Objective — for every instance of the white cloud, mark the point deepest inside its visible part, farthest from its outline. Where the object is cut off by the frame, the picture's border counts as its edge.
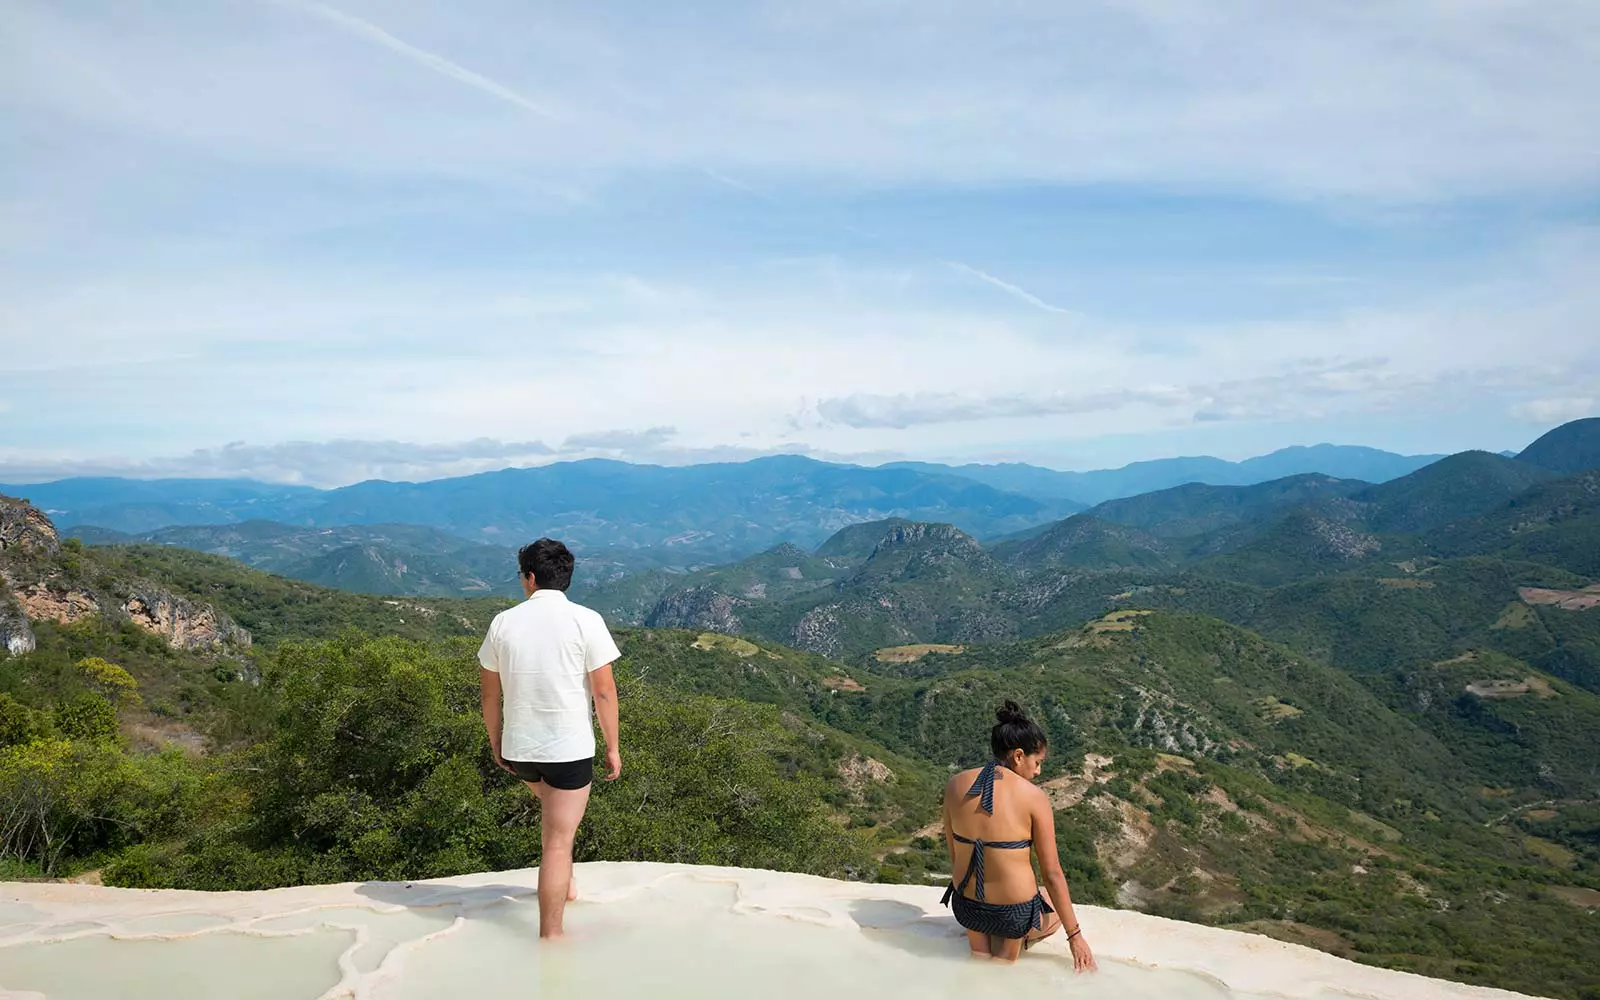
(310, 463)
(1555, 411)
(619, 440)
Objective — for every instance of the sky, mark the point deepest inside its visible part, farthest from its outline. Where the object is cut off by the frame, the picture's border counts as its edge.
(312, 243)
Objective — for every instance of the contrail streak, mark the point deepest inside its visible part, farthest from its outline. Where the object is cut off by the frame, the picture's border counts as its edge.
(1009, 288)
(439, 64)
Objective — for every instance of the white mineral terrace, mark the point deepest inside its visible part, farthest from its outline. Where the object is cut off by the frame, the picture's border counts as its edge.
(640, 930)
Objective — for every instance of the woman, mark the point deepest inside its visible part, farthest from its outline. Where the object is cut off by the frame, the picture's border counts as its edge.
(992, 815)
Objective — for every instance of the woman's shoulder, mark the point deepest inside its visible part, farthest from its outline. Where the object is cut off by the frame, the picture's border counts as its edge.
(967, 775)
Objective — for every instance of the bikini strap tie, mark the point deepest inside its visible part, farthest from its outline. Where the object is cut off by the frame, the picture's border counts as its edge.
(983, 787)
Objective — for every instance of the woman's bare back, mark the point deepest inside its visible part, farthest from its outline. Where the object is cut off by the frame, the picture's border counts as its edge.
(1008, 873)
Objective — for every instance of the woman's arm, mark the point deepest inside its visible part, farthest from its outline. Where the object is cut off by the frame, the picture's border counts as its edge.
(1055, 880)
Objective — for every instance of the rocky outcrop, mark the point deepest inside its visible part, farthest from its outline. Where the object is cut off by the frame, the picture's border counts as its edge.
(976, 625)
(945, 538)
(16, 633)
(858, 773)
(42, 602)
(1342, 541)
(183, 623)
(817, 631)
(40, 582)
(918, 550)
(25, 529)
(700, 608)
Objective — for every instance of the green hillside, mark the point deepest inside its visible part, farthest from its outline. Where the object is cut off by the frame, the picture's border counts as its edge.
(1556, 523)
(1571, 448)
(1199, 509)
(1086, 542)
(1450, 489)
(1305, 542)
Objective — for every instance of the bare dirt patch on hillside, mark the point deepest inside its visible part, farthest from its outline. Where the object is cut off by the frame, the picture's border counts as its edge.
(1577, 895)
(729, 643)
(1068, 790)
(915, 652)
(1503, 688)
(1566, 600)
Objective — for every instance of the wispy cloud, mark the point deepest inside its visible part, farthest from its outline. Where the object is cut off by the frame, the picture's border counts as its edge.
(620, 440)
(1555, 411)
(429, 60)
(1007, 287)
(1304, 390)
(309, 463)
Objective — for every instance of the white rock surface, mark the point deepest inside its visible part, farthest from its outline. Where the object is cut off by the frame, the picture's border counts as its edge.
(639, 930)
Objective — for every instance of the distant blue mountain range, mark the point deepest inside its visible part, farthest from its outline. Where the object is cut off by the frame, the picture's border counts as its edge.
(1089, 488)
(706, 512)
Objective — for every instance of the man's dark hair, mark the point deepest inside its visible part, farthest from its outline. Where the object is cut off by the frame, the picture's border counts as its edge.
(549, 563)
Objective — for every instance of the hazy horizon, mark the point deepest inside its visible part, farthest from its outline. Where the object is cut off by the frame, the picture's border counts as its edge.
(92, 471)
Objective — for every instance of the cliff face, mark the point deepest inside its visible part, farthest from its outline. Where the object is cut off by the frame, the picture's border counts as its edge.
(42, 581)
(700, 608)
(183, 623)
(16, 633)
(25, 530)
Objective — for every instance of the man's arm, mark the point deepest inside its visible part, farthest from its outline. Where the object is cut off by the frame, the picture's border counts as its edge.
(604, 685)
(489, 694)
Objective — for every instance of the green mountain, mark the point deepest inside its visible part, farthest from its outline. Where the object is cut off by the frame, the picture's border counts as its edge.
(853, 545)
(1305, 542)
(1556, 523)
(1088, 542)
(1450, 489)
(1197, 509)
(373, 559)
(1571, 448)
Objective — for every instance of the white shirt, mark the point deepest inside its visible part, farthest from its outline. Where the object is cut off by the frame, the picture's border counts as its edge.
(543, 649)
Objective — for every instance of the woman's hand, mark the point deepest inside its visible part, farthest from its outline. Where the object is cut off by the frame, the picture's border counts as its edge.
(1082, 957)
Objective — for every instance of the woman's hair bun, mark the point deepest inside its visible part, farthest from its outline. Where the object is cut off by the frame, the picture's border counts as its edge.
(1010, 714)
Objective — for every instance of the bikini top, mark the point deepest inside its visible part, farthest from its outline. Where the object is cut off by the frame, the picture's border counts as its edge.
(983, 787)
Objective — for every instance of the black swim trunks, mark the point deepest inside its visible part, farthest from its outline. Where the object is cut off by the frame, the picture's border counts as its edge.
(568, 776)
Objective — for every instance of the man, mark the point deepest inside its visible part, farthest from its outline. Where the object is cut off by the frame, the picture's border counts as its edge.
(548, 656)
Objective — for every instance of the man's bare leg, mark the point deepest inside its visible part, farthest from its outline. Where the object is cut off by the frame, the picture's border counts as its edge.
(560, 812)
(572, 883)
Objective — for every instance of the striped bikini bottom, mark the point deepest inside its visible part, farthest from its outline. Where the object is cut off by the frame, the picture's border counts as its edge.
(1004, 920)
